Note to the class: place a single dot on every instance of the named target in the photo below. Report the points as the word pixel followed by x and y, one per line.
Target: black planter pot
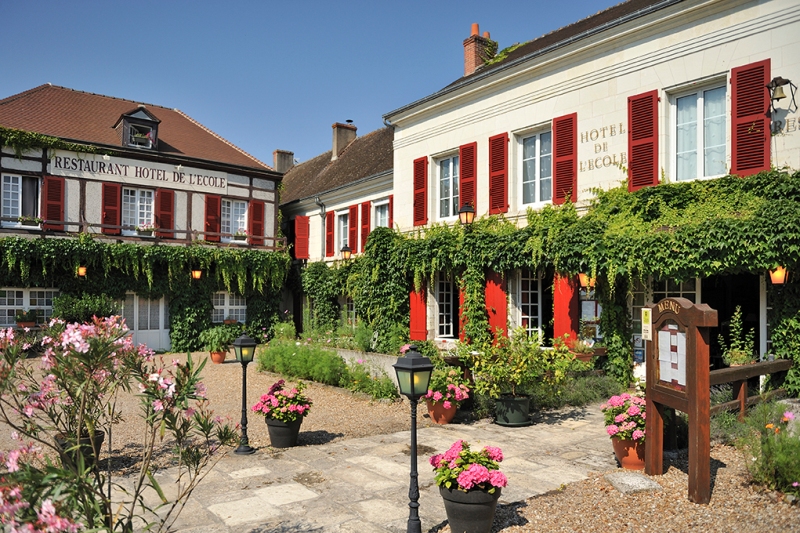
pixel 71 452
pixel 283 434
pixel 513 411
pixel 471 511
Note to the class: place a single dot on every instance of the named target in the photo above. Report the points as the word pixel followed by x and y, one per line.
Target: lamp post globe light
pixel 466 214
pixel 245 348
pixel 413 377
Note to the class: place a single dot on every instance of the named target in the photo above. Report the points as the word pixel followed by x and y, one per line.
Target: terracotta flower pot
pixel 630 453
pixel 439 414
pixel 218 357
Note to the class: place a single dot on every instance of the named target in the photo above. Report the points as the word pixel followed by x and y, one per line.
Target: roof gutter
pixel 533 55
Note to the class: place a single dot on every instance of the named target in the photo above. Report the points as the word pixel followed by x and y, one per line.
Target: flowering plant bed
pixel 448 387
pixel 284 405
pixel 461 468
pixel 625 417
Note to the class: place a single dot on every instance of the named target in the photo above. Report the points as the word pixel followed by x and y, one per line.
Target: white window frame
pixel 146 142
pixel 233 215
pixel 11 210
pixel 144 213
pixel 343 232
pixel 699 90
pixel 520 159
pixel 532 327
pixel 590 314
pixel 455 177
pixel 33 298
pixel 375 206
pixel 225 304
pixel 446 289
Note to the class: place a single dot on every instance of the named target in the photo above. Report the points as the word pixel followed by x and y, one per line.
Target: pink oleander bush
pixel 448 387
pixel 282 404
pixel 625 417
pixel 466 470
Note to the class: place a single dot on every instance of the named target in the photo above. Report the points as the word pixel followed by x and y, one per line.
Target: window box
pixel 144 233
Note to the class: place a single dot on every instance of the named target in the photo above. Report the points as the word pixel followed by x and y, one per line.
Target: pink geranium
pixel 284 405
pixel 461 468
pixel 625 417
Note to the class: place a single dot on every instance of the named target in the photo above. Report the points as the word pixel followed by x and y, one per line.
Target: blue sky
pixel 263 74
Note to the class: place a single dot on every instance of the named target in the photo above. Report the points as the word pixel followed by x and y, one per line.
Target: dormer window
pixel 139 129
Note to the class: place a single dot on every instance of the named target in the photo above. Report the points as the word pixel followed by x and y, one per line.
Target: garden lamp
pixel 82 271
pixel 778 275
pixel 244 347
pixel 466 214
pixel 586 281
pixel 197 274
pixel 413 377
pixel 346 252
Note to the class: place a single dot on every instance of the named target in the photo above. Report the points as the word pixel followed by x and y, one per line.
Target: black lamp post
pixel 413 376
pixel 244 347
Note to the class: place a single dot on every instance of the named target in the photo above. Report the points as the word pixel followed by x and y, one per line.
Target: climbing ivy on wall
pixel 23 141
pixel 723 226
pixel 151 272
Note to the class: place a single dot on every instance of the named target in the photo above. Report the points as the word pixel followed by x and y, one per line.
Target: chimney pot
pixel 475 30
pixel 282 160
pixel 486 35
pixel 343 135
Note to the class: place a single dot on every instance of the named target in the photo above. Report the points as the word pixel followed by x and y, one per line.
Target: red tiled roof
pixel 90 118
pixel 364 157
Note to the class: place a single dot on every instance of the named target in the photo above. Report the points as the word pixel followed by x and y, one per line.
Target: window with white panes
pixel 689 289
pixel 228 306
pixel 530 302
pixel 342 230
pixel 137 208
pixel 637 299
pixel 590 314
pixel 447 306
pixel 448 187
pixel 700 134
pixel 13 300
pixel 537 168
pixel 20 198
pixel 349 311
pixel 381 214
pixel 234 216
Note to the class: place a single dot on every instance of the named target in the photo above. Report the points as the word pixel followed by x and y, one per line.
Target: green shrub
pixel 220 338
pixel 284 331
pixel 301 361
pixel 81 309
pixel 770 449
pixel 362 377
pixel 576 391
pixel 362 337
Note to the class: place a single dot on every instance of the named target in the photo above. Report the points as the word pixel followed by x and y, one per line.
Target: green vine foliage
pixel 723 226
pixel 151 272
pixel 23 141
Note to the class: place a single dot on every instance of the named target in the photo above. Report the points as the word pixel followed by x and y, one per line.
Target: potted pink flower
pixel 625 423
pixel 447 390
pixel 283 410
pixel 470 484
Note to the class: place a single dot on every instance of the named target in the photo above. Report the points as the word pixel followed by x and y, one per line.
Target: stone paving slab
pixel 361 485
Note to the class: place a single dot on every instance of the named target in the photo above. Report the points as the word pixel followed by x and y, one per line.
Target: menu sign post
pixel 678 377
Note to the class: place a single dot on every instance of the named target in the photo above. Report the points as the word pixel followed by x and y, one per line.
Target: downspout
pixel 322 225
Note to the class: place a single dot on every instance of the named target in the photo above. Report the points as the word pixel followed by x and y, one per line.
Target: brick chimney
pixel 476 50
pixel 343 135
pixel 282 160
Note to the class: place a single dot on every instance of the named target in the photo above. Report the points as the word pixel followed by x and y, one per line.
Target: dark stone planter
pixel 283 434
pixel 71 453
pixel 512 411
pixel 471 511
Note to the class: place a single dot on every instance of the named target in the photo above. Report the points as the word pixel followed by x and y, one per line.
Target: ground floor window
pixel 530 302
pixel 13 300
pixel 590 314
pixel 447 306
pixel 228 306
pixel 689 289
pixel 147 320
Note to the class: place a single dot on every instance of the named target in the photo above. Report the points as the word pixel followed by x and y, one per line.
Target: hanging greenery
pixel 23 141
pixel 724 226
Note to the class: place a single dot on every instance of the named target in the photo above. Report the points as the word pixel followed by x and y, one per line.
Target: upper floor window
pixel 20 197
pixel 139 128
pixel 137 208
pixel 140 136
pixel 234 217
pixel 700 129
pixel 448 187
pixel 537 168
pixel 342 229
pixel 382 214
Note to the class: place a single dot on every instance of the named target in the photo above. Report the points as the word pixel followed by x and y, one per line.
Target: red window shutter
pixel 352 228
pixel 468 172
pixel 642 140
pixel 750 121
pixel 213 217
pixel 112 212
pixel 496 304
pixel 165 212
pixel 255 220
pixel 419 320
pixel 301 237
pixel 329 220
pixel 565 158
pixel 498 174
pixel 53 201
pixel 421 191
pixel 566 306
pixel 366 212
pixel 391 211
